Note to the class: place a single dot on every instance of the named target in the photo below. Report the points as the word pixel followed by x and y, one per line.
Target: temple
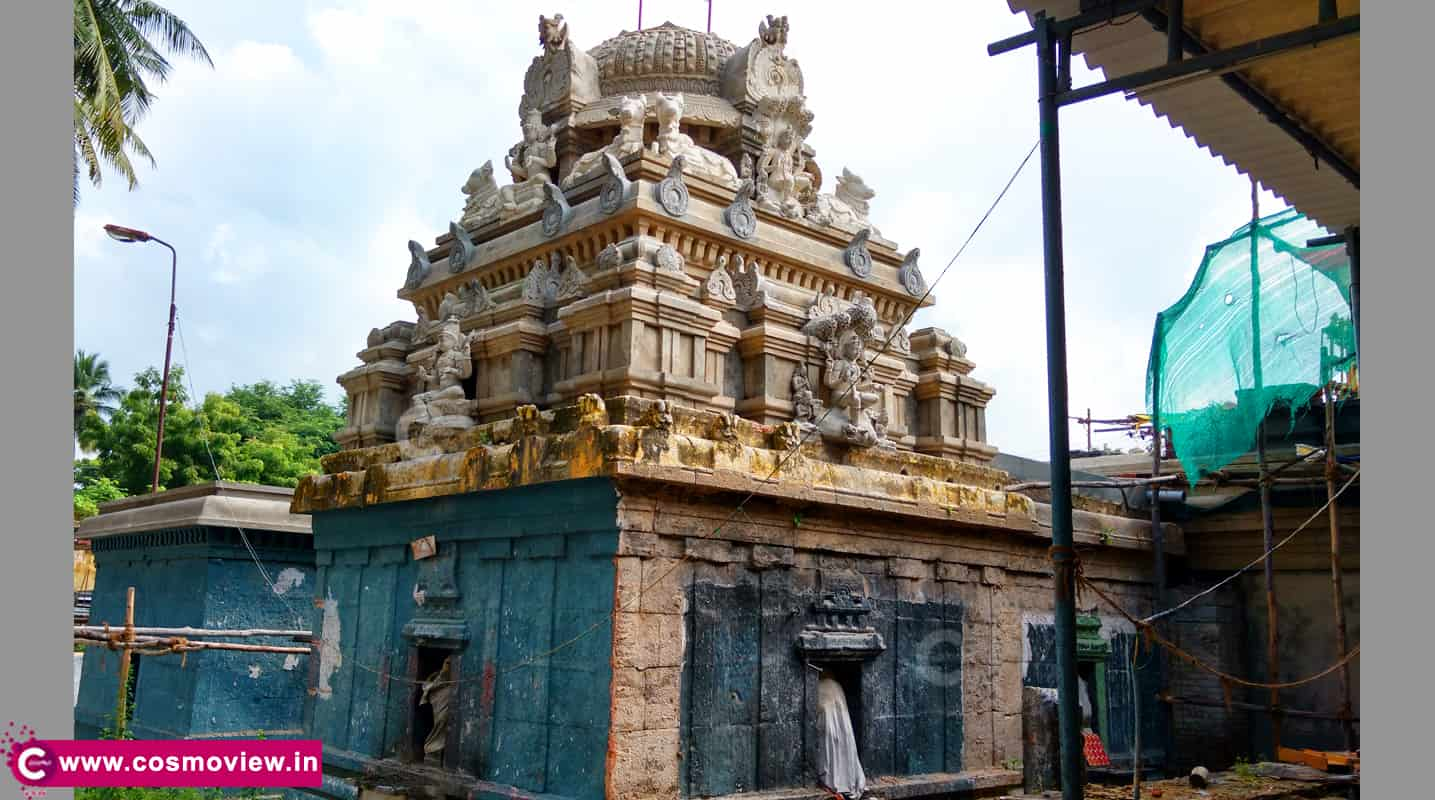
pixel 658 452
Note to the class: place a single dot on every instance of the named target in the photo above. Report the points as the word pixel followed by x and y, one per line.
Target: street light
pixel 130 235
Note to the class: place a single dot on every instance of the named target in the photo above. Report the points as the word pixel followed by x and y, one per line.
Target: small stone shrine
pixel 656 453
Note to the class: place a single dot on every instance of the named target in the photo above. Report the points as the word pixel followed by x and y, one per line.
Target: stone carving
pixel 423 326
pixel 563 76
pixel 530 159
pixel 824 304
pixel 856 256
pixel 762 70
pixel 393 332
pixel 847 209
pixel 556 212
pixel 657 424
pixel 552 34
pixel 610 257
pixel 739 216
pixel 719 283
pixel 462 251
pixel 957 348
pixel 481 194
pixel 911 276
pixel 671 192
pixel 450 306
pixel 785 185
pixel 615 188
pixel 419 265
pixel 773 31
pixel 724 428
pixel 805 405
pixel 749 290
pixel 857 417
pixel 440 403
pixel 528 420
pixel 669 259
pixel 787 436
pixel 901 341
pixel 673 142
pixel 474 297
pixel 540 285
pixel 572 283
pixel 528 162
pixel 631 113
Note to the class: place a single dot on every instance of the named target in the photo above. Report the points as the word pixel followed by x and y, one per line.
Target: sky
pixel 329 133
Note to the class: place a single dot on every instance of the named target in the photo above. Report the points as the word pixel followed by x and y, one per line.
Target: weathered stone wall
pixel 532 569
pixel 709 691
pixel 1206 735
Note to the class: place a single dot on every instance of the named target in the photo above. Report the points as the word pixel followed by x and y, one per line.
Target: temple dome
pixel 667 58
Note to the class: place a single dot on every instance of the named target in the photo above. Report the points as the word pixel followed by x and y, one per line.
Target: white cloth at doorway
pixel 839 768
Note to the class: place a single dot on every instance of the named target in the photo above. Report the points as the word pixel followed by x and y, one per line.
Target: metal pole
pixel 122 701
pixel 1062 555
pixel 1158 534
pixel 1336 583
pixel 1175 23
pixel 1267 520
pixel 640 14
pixel 164 382
pixel 710 16
pixel 1352 246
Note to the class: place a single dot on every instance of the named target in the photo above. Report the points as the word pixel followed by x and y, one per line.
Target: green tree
pixel 92 489
pixel 95 394
pixel 118 47
pixel 261 433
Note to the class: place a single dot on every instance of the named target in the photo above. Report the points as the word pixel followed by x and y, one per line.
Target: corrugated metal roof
pixel 1219 120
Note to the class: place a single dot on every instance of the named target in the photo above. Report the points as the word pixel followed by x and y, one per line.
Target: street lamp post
pixel 129 235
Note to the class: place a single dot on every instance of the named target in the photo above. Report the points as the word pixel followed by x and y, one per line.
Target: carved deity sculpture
pixel 782 174
pixel 440 403
pixel 858 417
pixel 438 695
pixel 552 33
pixel 673 142
pixel 529 162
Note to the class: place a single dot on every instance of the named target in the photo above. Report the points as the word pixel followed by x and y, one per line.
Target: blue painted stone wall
pixel 1121 713
pixel 534 570
pixel 199 577
pixel 749 705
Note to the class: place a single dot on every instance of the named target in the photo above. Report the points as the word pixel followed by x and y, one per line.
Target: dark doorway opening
pixel 429 661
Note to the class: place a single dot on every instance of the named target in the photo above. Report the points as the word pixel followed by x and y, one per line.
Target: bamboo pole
pixel 192 632
pixel 1336 582
pixel 122 699
pixel 181 644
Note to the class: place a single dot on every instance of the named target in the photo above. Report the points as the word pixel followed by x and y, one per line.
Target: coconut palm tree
pixel 95 395
pixel 117 47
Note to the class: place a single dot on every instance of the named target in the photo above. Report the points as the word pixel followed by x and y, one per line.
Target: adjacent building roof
pixel 220 503
pixel 1317 87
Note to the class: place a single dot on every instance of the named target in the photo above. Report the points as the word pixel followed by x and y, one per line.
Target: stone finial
pixel 419 265
pixel 572 283
pixel 669 259
pixel 719 284
pixel 671 193
pixel 911 275
pixel 748 288
pixel 615 188
pixel 556 211
pixel 474 297
pixel 610 257
pixel 462 251
pixel 824 304
pixel 857 257
pixel 540 286
pixel 739 216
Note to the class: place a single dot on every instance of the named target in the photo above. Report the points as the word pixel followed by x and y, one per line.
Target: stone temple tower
pixel 657 452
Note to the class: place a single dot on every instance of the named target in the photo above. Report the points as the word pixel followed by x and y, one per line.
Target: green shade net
pixel 1264 285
